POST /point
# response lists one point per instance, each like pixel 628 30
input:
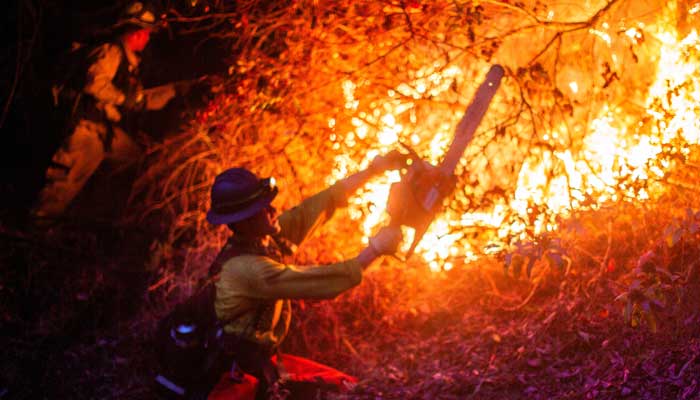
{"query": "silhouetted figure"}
pixel 109 91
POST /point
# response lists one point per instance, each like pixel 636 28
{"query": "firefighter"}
pixel 256 281
pixel 109 93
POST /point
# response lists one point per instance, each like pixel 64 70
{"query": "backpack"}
pixel 68 77
pixel 188 346
pixel 188 340
pixel 69 73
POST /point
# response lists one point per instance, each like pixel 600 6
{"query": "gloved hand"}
pixel 134 100
pixel 386 241
pixel 392 160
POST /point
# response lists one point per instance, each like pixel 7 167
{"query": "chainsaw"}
pixel 417 198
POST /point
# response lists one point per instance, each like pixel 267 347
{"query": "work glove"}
pixel 134 100
pixel 390 161
pixel 386 241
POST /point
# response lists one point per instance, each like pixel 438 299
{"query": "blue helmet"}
pixel 238 194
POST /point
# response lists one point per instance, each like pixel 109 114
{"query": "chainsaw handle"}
pixel 411 153
pixel 392 160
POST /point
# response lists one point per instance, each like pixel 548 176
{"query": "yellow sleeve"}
pixel 101 72
pixel 158 97
pixel 259 277
pixel 298 222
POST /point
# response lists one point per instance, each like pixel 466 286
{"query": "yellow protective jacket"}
pixel 108 96
pixel 249 283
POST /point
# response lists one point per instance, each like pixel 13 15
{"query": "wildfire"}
pixel 620 148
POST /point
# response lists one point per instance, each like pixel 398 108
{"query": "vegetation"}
pixel 565 266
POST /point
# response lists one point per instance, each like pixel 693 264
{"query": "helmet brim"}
pixel 138 24
pixel 215 218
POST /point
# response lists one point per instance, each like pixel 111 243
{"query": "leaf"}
pixel 517 264
pixel 506 262
pixel 530 265
pixel 694 228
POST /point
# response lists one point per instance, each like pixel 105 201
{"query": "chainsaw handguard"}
pixel 418 197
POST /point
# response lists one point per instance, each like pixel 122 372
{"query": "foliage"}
pixel 654 281
pixel 682 228
pixel 527 253
pixel 304 76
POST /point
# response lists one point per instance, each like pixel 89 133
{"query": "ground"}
pixel 79 320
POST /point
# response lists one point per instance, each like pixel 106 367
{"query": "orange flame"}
pixel 618 146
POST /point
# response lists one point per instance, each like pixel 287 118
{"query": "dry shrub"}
pixel 307 74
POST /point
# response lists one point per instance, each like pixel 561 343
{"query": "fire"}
pixel 620 148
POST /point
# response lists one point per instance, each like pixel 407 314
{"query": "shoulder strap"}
pixel 232 249
pixel 229 251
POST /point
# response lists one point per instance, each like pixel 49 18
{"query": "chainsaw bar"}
pixel 464 133
pixel 415 200
pixel 472 118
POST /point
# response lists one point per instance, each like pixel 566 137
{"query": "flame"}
pixel 618 150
